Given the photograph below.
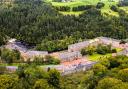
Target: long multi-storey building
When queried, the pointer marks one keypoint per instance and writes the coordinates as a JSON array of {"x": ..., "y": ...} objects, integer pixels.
[
  {"x": 80, "y": 45},
  {"x": 94, "y": 42},
  {"x": 25, "y": 52},
  {"x": 69, "y": 56},
  {"x": 109, "y": 41}
]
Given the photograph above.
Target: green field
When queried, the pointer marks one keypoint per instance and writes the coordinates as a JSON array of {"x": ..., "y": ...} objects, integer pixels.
[
  {"x": 125, "y": 8},
  {"x": 97, "y": 57},
  {"x": 13, "y": 64},
  {"x": 72, "y": 13},
  {"x": 75, "y": 3}
]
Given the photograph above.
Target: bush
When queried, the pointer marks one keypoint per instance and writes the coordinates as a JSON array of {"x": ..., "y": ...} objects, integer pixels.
[
  {"x": 114, "y": 63},
  {"x": 100, "y": 5},
  {"x": 123, "y": 74},
  {"x": 10, "y": 56},
  {"x": 45, "y": 60},
  {"x": 78, "y": 8},
  {"x": 123, "y": 3},
  {"x": 114, "y": 50},
  {"x": 82, "y": 8},
  {"x": 54, "y": 78},
  {"x": 108, "y": 83},
  {"x": 90, "y": 50},
  {"x": 62, "y": 8},
  {"x": 114, "y": 8},
  {"x": 51, "y": 60},
  {"x": 41, "y": 84},
  {"x": 2, "y": 69},
  {"x": 103, "y": 49},
  {"x": 84, "y": 51},
  {"x": 38, "y": 60},
  {"x": 57, "y": 0},
  {"x": 122, "y": 42}
]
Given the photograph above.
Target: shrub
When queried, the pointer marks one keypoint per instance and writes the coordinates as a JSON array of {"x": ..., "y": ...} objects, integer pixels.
[
  {"x": 51, "y": 60},
  {"x": 2, "y": 69},
  {"x": 10, "y": 56},
  {"x": 114, "y": 50},
  {"x": 82, "y": 7},
  {"x": 123, "y": 74},
  {"x": 84, "y": 51},
  {"x": 38, "y": 60},
  {"x": 57, "y": 0},
  {"x": 62, "y": 8},
  {"x": 122, "y": 42},
  {"x": 88, "y": 50},
  {"x": 102, "y": 49},
  {"x": 114, "y": 8},
  {"x": 100, "y": 5}
]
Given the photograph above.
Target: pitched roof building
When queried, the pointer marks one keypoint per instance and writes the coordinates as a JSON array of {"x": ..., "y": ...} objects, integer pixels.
[
  {"x": 94, "y": 42},
  {"x": 69, "y": 56},
  {"x": 80, "y": 45}
]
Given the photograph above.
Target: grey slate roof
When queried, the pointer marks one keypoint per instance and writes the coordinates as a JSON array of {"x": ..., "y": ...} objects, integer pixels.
[{"x": 69, "y": 55}]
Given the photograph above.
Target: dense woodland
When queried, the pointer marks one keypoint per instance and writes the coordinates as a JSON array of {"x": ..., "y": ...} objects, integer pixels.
[{"x": 39, "y": 23}]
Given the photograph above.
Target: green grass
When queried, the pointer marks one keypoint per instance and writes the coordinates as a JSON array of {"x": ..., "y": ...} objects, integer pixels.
[
  {"x": 72, "y": 13},
  {"x": 13, "y": 64},
  {"x": 70, "y": 4},
  {"x": 97, "y": 57},
  {"x": 125, "y": 8},
  {"x": 74, "y": 3},
  {"x": 118, "y": 49},
  {"x": 105, "y": 9}
]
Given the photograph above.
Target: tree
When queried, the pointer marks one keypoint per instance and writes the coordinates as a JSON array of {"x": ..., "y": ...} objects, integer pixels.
[
  {"x": 54, "y": 78},
  {"x": 84, "y": 51},
  {"x": 108, "y": 83},
  {"x": 8, "y": 81},
  {"x": 2, "y": 69},
  {"x": 114, "y": 62},
  {"x": 89, "y": 80},
  {"x": 51, "y": 60},
  {"x": 114, "y": 8},
  {"x": 103, "y": 49},
  {"x": 120, "y": 86},
  {"x": 100, "y": 5},
  {"x": 38, "y": 60},
  {"x": 41, "y": 84},
  {"x": 3, "y": 39},
  {"x": 123, "y": 75},
  {"x": 10, "y": 56},
  {"x": 29, "y": 74},
  {"x": 99, "y": 70}
]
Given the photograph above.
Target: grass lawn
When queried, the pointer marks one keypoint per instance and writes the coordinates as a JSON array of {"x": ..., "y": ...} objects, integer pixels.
[
  {"x": 13, "y": 64},
  {"x": 105, "y": 9},
  {"x": 74, "y": 3},
  {"x": 96, "y": 57},
  {"x": 118, "y": 49},
  {"x": 125, "y": 8},
  {"x": 72, "y": 13}
]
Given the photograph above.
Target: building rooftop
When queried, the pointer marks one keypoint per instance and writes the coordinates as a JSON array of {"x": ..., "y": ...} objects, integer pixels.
[
  {"x": 36, "y": 53},
  {"x": 68, "y": 55}
]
